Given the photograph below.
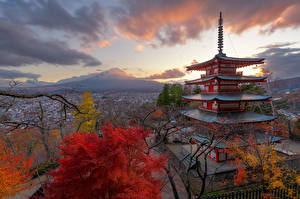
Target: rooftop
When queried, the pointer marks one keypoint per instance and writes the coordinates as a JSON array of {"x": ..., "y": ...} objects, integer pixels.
[
  {"x": 226, "y": 97},
  {"x": 226, "y": 118},
  {"x": 222, "y": 58},
  {"x": 227, "y": 77}
]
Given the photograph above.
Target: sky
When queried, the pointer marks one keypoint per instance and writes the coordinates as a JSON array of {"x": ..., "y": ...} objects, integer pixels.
[{"x": 51, "y": 40}]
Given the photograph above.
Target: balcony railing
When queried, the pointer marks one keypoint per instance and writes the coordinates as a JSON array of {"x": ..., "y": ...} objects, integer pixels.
[
  {"x": 222, "y": 73},
  {"x": 222, "y": 91}
]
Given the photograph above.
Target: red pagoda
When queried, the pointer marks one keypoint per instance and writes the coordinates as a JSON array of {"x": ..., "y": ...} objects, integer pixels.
[{"x": 220, "y": 97}]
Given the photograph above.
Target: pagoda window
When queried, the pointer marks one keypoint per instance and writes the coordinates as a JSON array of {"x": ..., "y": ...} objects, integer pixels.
[
  {"x": 228, "y": 82},
  {"x": 215, "y": 71},
  {"x": 215, "y": 105},
  {"x": 228, "y": 87},
  {"x": 215, "y": 66},
  {"x": 227, "y": 70},
  {"x": 205, "y": 104},
  {"x": 215, "y": 88},
  {"x": 227, "y": 65},
  {"x": 222, "y": 156},
  {"x": 206, "y": 88},
  {"x": 229, "y": 106}
]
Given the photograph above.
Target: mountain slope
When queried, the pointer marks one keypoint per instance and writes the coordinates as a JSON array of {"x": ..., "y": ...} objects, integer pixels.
[
  {"x": 284, "y": 85},
  {"x": 114, "y": 79}
]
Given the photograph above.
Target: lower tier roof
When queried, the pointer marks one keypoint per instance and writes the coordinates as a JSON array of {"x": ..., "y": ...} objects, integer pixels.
[
  {"x": 259, "y": 138},
  {"x": 227, "y": 118},
  {"x": 226, "y": 97},
  {"x": 228, "y": 77}
]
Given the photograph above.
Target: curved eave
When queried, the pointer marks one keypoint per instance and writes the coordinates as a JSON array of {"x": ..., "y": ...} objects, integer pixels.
[
  {"x": 227, "y": 118},
  {"x": 239, "y": 79},
  {"x": 238, "y": 62},
  {"x": 226, "y": 97},
  {"x": 202, "y": 66}
]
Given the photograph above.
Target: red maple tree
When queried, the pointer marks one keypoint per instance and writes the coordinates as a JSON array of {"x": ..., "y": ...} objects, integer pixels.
[{"x": 114, "y": 166}]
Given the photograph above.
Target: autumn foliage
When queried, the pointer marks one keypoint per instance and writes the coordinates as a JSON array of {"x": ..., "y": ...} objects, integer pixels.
[
  {"x": 114, "y": 166},
  {"x": 261, "y": 163},
  {"x": 86, "y": 120},
  {"x": 14, "y": 172}
]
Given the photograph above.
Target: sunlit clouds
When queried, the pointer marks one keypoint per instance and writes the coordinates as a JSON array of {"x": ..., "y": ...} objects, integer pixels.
[
  {"x": 167, "y": 74},
  {"x": 104, "y": 43},
  {"x": 173, "y": 22},
  {"x": 139, "y": 48},
  {"x": 46, "y": 38}
]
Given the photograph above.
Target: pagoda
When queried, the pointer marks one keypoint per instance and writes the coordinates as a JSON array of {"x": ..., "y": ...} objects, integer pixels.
[{"x": 220, "y": 97}]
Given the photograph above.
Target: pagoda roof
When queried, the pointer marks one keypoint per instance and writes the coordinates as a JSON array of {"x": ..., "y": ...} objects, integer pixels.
[
  {"x": 226, "y": 118},
  {"x": 227, "y": 77},
  {"x": 222, "y": 58},
  {"x": 259, "y": 138},
  {"x": 226, "y": 97}
]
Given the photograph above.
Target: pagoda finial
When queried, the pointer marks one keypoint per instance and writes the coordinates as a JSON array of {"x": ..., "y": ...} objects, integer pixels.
[{"x": 220, "y": 36}]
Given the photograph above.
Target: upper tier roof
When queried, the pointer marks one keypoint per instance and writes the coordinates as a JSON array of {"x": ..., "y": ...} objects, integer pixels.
[
  {"x": 227, "y": 118},
  {"x": 226, "y": 97},
  {"x": 222, "y": 58},
  {"x": 228, "y": 77}
]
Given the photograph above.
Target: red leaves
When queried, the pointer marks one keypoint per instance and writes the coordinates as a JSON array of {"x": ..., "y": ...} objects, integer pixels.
[
  {"x": 114, "y": 166},
  {"x": 14, "y": 172}
]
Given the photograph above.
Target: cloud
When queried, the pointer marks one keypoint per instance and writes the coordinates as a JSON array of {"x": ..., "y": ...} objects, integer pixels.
[
  {"x": 13, "y": 74},
  {"x": 21, "y": 46},
  {"x": 167, "y": 74},
  {"x": 139, "y": 48},
  {"x": 278, "y": 45},
  {"x": 170, "y": 22},
  {"x": 281, "y": 62},
  {"x": 104, "y": 43},
  {"x": 88, "y": 22}
]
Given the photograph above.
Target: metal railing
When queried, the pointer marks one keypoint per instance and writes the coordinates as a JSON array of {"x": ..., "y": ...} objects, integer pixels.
[{"x": 260, "y": 193}]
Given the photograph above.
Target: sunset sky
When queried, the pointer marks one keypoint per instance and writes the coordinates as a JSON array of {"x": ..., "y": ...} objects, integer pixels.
[{"x": 50, "y": 40}]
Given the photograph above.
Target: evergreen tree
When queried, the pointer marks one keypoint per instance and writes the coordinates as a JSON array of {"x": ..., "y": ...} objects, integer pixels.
[
  {"x": 163, "y": 98},
  {"x": 252, "y": 89},
  {"x": 176, "y": 93}
]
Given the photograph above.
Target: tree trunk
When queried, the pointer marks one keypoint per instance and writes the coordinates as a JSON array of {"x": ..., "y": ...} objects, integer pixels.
[
  {"x": 171, "y": 180},
  {"x": 45, "y": 142}
]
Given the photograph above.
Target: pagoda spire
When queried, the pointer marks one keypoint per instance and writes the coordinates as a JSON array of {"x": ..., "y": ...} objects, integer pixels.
[{"x": 220, "y": 35}]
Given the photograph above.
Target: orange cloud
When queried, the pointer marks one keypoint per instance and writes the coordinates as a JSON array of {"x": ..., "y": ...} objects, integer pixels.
[
  {"x": 104, "y": 43},
  {"x": 173, "y": 22},
  {"x": 167, "y": 74},
  {"x": 139, "y": 48}
]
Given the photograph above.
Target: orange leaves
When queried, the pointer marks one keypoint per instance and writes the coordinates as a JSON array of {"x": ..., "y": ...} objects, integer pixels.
[
  {"x": 157, "y": 113},
  {"x": 14, "y": 172},
  {"x": 115, "y": 166},
  {"x": 276, "y": 128},
  {"x": 240, "y": 176}
]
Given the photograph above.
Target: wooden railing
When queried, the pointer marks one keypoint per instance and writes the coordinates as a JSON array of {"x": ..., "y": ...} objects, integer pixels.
[{"x": 222, "y": 73}]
